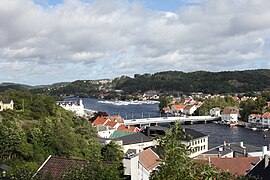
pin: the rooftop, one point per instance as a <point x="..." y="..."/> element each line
<point x="238" y="166"/>
<point x="133" y="139"/>
<point x="56" y="166"/>
<point x="149" y="159"/>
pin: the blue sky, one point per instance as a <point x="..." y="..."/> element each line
<point x="66" y="40"/>
<point x="162" y="5"/>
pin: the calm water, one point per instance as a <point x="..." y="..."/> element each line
<point x="217" y="133"/>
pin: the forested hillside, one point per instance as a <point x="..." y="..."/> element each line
<point x="199" y="81"/>
<point x="169" y="81"/>
<point x="37" y="128"/>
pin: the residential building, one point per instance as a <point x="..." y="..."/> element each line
<point x="196" y="141"/>
<point x="238" y="166"/>
<point x="137" y="142"/>
<point x="230" y="115"/>
<point x="215" y="111"/>
<point x="255" y="120"/>
<point x="266" y="120"/>
<point x="177" y="109"/>
<point x="189" y="109"/>
<point x="6" y="105"/>
<point x="54" y="167"/>
<point x="261" y="170"/>
<point x="228" y="150"/>
<point x="74" y="106"/>
<point x="140" y="166"/>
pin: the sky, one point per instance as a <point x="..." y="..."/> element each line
<point x="48" y="41"/>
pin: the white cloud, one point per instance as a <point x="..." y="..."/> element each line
<point x="110" y="38"/>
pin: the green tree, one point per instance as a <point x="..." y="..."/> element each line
<point x="92" y="171"/>
<point x="112" y="153"/>
<point x="175" y="161"/>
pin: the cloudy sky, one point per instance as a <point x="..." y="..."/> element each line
<point x="47" y="41"/>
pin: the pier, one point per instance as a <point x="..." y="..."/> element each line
<point x="182" y="120"/>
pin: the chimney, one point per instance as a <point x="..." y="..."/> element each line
<point x="242" y="144"/>
<point x="264" y="150"/>
<point x="266" y="161"/>
<point x="220" y="149"/>
<point x="147" y="131"/>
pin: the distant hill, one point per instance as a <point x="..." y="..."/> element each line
<point x="168" y="81"/>
<point x="199" y="81"/>
<point x="6" y="85"/>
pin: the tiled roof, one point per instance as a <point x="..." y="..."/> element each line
<point x="166" y="109"/>
<point x="128" y="129"/>
<point x="110" y="123"/>
<point x="56" y="166"/>
<point x="117" y="134"/>
<point x="254" y="115"/>
<point x="100" y="121"/>
<point x="266" y="115"/>
<point x="230" y="111"/>
<point x="237" y="165"/>
<point x="180" y="106"/>
<point x="118" y="119"/>
<point x="133" y="139"/>
<point x="149" y="159"/>
<point x="188" y="107"/>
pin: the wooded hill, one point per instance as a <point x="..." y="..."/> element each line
<point x="199" y="81"/>
<point x="169" y="81"/>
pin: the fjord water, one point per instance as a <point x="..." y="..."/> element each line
<point x="217" y="133"/>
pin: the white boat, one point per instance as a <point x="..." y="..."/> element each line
<point x="264" y="129"/>
<point x="254" y="129"/>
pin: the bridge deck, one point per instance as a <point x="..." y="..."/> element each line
<point x="169" y="120"/>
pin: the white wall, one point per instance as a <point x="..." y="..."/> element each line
<point x="199" y="146"/>
<point x="139" y="146"/>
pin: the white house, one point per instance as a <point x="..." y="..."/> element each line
<point x="196" y="141"/>
<point x="189" y="109"/>
<point x="266" y="119"/>
<point x="140" y="166"/>
<point x="6" y="104"/>
<point x="137" y="142"/>
<point x="230" y="115"/>
<point x="215" y="111"/>
<point x="74" y="106"/>
<point x="255" y="120"/>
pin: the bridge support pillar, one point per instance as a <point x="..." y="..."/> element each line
<point x="191" y="122"/>
<point x="205" y="121"/>
<point x="149" y="124"/>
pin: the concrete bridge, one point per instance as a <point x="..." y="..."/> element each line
<point x="182" y="120"/>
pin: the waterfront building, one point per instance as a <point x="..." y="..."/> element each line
<point x="196" y="141"/>
<point x="266" y="120"/>
<point x="255" y="120"/>
<point x="74" y="106"/>
<point x="230" y="115"/>
<point x="6" y="105"/>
